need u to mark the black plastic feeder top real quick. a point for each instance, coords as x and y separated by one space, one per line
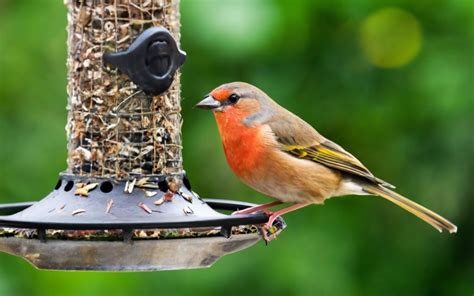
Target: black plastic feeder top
151 60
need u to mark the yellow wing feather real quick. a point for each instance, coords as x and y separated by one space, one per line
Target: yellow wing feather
332 157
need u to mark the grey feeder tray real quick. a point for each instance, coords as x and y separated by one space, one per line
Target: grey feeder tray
111 230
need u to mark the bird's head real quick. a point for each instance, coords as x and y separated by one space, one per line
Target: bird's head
235 98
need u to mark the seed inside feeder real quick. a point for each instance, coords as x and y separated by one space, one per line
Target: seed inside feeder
143 137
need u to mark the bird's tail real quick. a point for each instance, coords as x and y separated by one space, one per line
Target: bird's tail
421 212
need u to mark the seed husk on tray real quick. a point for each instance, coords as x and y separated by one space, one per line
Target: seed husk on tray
116 235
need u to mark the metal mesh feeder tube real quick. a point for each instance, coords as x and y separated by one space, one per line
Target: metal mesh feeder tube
114 129
124 202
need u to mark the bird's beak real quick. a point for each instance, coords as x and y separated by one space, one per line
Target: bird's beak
209 103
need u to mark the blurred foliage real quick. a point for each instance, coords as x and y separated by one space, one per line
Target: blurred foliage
411 125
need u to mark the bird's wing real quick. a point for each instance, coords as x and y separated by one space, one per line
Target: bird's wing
300 140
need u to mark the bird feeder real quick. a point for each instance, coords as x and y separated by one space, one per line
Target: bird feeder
124 201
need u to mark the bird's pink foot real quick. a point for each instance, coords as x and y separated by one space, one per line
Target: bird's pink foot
256 208
271 218
277 214
239 212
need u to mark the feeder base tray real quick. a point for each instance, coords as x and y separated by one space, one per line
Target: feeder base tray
137 246
144 255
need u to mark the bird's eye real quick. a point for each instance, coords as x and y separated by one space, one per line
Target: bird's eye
234 98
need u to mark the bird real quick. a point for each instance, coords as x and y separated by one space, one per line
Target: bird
278 154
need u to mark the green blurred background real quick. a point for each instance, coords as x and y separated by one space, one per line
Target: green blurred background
391 81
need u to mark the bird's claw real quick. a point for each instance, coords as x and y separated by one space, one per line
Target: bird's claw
240 212
245 212
269 231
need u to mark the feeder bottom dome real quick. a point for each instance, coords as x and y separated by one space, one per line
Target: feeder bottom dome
145 255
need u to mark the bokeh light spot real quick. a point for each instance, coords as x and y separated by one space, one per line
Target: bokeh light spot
390 37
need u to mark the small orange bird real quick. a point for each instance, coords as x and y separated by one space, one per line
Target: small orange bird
278 154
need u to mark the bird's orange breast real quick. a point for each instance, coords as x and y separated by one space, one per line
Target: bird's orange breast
243 145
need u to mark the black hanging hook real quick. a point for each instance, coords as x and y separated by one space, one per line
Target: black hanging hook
151 60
